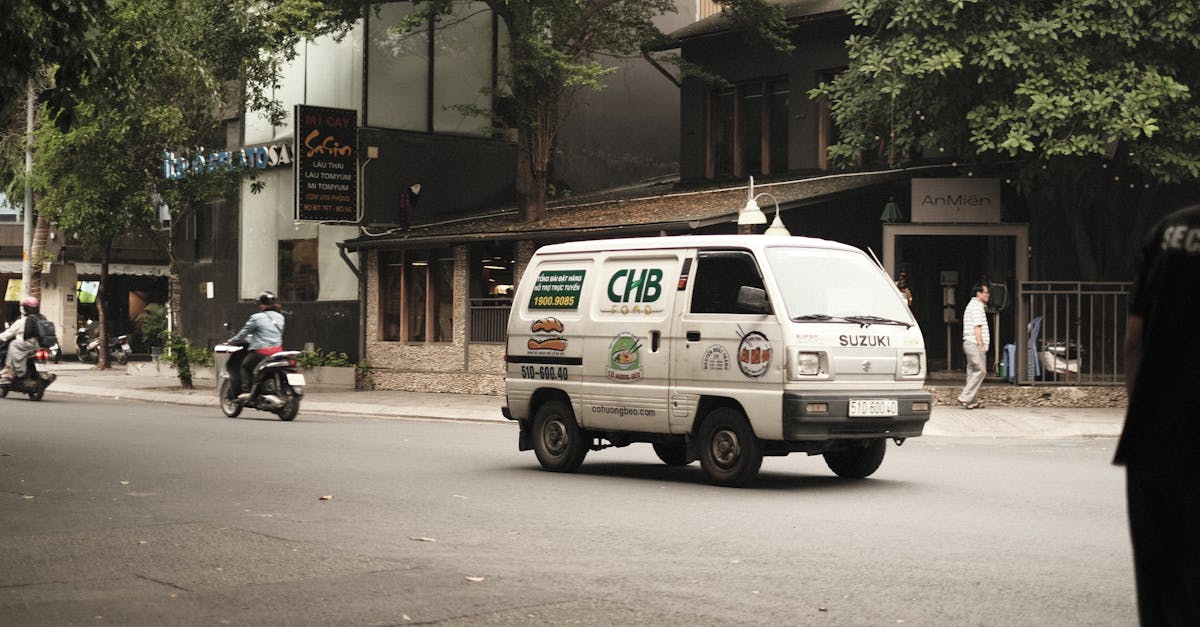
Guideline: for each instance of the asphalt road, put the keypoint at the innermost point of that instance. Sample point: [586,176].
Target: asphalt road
[138,513]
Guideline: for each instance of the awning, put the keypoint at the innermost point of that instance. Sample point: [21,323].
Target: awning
[123,268]
[137,269]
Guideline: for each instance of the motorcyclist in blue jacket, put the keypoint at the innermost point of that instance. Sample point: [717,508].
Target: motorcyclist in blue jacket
[264,334]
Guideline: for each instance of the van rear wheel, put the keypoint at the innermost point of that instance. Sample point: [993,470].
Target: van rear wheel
[858,462]
[558,441]
[730,453]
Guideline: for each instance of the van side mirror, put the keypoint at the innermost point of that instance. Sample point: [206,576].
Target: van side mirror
[752,300]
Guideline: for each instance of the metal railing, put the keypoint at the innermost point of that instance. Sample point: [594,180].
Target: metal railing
[489,319]
[1073,333]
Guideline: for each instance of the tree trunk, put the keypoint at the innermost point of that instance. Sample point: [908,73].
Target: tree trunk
[102,311]
[37,252]
[537,124]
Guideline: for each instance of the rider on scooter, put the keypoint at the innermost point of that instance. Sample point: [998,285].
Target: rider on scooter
[265,332]
[22,340]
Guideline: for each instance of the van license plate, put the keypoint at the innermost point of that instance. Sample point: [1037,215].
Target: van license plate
[295,379]
[873,407]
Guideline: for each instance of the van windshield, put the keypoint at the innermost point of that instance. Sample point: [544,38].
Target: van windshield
[821,285]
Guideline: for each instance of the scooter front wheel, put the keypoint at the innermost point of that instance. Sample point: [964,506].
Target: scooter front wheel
[122,357]
[229,406]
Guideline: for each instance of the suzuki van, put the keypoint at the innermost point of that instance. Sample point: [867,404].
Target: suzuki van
[717,348]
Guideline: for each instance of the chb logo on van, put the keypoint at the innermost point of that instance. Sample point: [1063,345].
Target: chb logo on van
[633,291]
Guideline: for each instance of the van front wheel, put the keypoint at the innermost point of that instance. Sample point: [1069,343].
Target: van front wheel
[858,462]
[730,453]
[557,439]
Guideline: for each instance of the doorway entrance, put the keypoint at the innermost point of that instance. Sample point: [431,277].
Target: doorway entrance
[942,263]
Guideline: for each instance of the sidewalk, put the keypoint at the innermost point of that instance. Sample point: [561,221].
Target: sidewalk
[952,421]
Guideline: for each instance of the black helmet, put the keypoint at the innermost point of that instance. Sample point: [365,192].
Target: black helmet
[266,298]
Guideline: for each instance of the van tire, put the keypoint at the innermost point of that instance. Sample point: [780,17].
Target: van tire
[858,462]
[558,441]
[672,453]
[729,452]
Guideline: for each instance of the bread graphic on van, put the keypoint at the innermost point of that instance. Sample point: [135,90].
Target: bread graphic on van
[547,325]
[548,344]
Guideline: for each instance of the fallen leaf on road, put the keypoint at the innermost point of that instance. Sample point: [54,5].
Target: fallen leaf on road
[475,579]
[405,617]
[327,497]
[422,539]
[459,496]
[124,483]
[822,609]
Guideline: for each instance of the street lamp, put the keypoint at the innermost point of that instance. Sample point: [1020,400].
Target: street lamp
[752,214]
[891,212]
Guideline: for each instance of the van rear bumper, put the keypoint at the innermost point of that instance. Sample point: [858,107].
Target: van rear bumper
[801,421]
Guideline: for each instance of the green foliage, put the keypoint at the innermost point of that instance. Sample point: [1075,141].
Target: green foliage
[321,358]
[1089,106]
[183,356]
[41,39]
[152,323]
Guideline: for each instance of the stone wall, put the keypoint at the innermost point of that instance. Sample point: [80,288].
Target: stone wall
[1005,395]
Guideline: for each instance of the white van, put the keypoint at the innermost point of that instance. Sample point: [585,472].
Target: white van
[722,348]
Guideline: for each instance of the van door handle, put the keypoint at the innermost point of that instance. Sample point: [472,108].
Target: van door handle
[655,336]
[693,336]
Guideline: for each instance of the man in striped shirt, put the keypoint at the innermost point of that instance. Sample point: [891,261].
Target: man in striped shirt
[975,345]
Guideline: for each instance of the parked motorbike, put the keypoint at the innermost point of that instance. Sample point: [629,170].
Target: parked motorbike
[277,385]
[33,384]
[89,347]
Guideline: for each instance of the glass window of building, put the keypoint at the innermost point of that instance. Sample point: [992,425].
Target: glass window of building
[491,279]
[298,276]
[436,79]
[416,296]
[748,129]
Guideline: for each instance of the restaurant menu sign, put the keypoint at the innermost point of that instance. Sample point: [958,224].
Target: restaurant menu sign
[326,166]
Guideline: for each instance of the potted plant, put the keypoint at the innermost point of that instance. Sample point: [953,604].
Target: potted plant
[328,369]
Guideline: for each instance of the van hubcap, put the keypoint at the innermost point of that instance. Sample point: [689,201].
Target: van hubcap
[725,448]
[555,437]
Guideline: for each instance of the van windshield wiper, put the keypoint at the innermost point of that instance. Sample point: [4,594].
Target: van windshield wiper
[812,318]
[869,320]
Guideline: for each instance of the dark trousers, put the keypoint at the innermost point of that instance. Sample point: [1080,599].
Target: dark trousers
[241,370]
[1164,522]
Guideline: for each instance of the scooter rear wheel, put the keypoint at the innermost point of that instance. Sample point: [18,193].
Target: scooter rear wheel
[229,406]
[291,403]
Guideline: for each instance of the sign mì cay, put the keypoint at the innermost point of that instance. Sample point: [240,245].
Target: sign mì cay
[326,166]
[175,167]
[956,200]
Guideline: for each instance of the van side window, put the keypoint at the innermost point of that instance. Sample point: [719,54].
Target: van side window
[718,276]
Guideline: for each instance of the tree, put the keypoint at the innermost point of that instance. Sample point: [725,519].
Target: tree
[167,74]
[37,36]
[1090,105]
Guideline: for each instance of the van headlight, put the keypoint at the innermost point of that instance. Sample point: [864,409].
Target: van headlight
[808,364]
[910,364]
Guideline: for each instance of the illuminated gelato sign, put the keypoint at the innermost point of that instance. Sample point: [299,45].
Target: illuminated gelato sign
[175,167]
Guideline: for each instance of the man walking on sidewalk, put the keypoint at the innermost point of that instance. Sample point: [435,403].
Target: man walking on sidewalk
[1162,424]
[975,344]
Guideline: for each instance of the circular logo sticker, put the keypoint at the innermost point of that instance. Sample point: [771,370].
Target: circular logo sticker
[625,358]
[754,354]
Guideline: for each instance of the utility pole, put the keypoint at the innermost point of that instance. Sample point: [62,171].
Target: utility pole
[27,242]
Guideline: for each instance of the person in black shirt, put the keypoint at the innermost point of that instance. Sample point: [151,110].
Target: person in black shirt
[1158,444]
